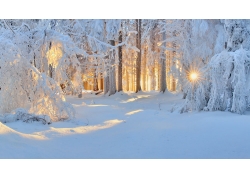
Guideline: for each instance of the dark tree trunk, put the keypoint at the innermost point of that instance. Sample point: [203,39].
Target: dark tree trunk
[95,82]
[50,65]
[138,60]
[162,81]
[50,71]
[119,88]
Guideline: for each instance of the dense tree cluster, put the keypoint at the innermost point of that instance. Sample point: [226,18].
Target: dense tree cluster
[43,60]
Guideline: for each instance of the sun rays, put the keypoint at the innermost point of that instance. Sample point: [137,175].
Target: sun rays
[194,74]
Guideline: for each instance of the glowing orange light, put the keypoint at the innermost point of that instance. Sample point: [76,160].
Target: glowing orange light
[194,76]
[54,54]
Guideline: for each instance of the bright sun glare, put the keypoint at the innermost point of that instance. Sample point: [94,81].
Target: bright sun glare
[194,73]
[193,76]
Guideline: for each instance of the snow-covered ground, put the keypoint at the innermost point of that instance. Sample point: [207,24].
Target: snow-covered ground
[130,125]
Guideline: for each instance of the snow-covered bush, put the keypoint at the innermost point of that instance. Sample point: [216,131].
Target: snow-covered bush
[25,116]
[13,77]
[22,85]
[48,99]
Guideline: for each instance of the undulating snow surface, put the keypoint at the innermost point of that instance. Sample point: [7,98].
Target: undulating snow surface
[130,125]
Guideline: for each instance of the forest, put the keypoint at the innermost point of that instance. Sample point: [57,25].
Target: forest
[44,60]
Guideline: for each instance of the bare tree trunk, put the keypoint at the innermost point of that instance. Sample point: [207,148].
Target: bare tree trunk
[144,69]
[174,60]
[119,88]
[127,78]
[111,75]
[106,78]
[162,82]
[130,74]
[133,81]
[138,60]
[95,82]
[106,70]
[152,77]
[50,65]
[106,83]
[100,82]
[50,71]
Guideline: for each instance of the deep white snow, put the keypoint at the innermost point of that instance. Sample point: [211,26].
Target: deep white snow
[130,125]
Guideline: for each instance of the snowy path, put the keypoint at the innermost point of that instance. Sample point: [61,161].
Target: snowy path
[130,126]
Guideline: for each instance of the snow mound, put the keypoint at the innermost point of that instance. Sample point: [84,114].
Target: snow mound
[11,133]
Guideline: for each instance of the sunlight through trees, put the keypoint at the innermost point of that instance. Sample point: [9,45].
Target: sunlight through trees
[43,60]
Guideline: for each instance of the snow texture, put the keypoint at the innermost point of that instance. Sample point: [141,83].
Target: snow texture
[129,125]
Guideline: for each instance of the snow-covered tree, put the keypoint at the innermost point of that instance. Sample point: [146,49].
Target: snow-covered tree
[22,84]
[42,60]
[227,74]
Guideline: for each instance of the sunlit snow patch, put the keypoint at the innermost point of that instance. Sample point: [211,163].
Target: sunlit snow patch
[83,129]
[4,130]
[135,98]
[96,105]
[133,112]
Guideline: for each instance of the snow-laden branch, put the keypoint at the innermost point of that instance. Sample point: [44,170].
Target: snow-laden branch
[5,23]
